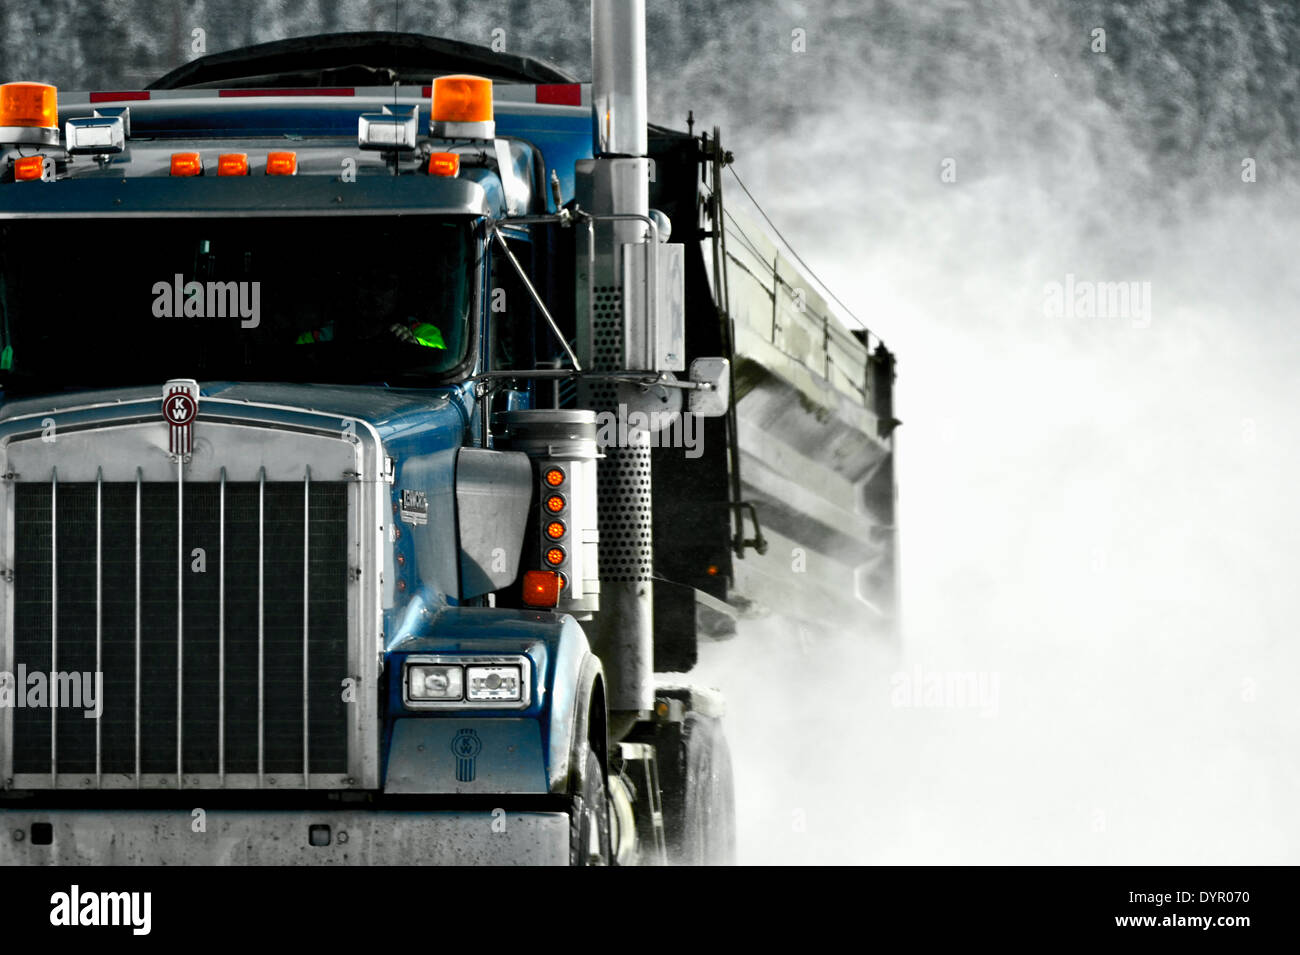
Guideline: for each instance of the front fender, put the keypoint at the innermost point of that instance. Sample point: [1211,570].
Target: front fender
[518,750]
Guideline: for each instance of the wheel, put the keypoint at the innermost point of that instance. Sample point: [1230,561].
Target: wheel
[706,827]
[589,839]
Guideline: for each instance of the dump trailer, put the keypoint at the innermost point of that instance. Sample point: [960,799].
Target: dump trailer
[386,423]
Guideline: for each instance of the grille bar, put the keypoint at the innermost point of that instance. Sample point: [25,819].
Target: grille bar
[261,628]
[139,487]
[306,628]
[54,618]
[99,615]
[180,622]
[221,629]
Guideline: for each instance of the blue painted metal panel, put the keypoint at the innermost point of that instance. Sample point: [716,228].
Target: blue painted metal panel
[465,754]
[562,140]
[553,642]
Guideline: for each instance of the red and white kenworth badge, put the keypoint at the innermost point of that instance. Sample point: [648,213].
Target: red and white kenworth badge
[180,407]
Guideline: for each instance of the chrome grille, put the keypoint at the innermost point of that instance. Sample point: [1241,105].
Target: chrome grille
[217,612]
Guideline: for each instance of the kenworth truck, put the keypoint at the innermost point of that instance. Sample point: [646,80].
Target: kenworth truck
[385,423]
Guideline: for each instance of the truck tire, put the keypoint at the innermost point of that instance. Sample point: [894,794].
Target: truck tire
[589,834]
[705,833]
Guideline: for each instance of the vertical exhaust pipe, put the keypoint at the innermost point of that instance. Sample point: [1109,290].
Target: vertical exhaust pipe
[617,182]
[618,78]
[619,176]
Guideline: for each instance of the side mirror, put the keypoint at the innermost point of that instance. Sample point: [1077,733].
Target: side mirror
[712,400]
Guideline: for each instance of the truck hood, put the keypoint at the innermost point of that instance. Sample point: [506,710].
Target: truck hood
[390,411]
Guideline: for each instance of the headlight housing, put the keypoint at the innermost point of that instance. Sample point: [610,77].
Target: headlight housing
[464,682]
[426,682]
[502,682]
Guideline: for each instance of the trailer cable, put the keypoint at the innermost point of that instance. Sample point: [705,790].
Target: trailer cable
[766,218]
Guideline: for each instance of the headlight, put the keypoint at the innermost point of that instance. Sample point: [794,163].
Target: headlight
[430,682]
[495,683]
[467,681]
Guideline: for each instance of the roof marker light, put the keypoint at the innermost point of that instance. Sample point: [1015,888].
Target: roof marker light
[232,164]
[462,108]
[187,164]
[29,113]
[282,164]
[444,164]
[28,168]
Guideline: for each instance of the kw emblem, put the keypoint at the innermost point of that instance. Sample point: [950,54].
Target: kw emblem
[180,407]
[466,746]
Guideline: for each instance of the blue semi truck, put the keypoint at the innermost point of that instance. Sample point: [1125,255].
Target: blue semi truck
[385,423]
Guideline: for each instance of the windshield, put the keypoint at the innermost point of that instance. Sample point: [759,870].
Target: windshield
[327,299]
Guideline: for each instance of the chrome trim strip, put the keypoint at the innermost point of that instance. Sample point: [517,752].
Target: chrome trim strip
[234,403]
[221,630]
[54,618]
[180,616]
[8,590]
[306,566]
[261,629]
[99,615]
[242,782]
[139,485]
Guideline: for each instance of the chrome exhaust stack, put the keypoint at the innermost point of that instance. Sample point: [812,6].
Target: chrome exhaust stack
[618,77]
[615,188]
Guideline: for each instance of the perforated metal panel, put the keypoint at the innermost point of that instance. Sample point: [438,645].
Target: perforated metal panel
[607,332]
[623,477]
[624,514]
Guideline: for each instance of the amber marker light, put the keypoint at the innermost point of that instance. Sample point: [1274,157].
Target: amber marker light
[282,164]
[444,164]
[555,556]
[28,168]
[232,164]
[555,530]
[554,477]
[187,164]
[555,503]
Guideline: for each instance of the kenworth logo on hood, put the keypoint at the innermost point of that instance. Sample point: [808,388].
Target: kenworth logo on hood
[180,408]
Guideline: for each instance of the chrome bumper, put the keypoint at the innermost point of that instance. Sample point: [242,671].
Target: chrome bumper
[355,837]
